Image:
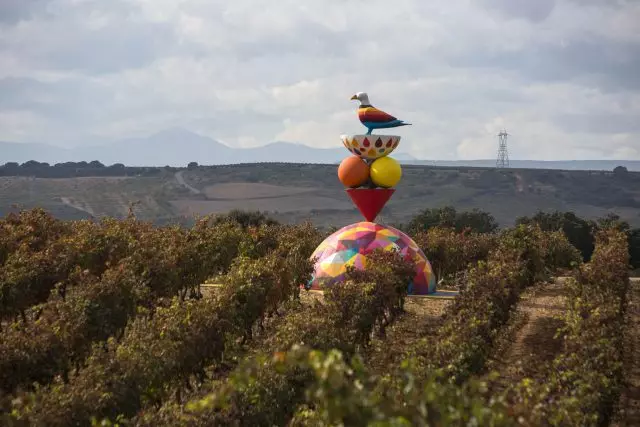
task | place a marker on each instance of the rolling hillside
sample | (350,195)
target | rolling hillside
(174,147)
(293,192)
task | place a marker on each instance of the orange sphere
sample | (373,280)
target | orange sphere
(353,172)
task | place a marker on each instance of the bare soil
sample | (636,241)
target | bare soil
(77,205)
(247,190)
(529,341)
(420,321)
(299,203)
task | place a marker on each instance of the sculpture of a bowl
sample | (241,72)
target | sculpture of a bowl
(370,147)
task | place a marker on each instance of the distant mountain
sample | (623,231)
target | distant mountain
(291,153)
(18,152)
(178,147)
(175,147)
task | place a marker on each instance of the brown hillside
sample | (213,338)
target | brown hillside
(293,192)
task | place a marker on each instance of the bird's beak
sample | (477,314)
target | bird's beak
(353,97)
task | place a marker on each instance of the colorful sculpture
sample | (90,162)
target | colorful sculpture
(372,118)
(369,175)
(350,245)
(385,172)
(353,172)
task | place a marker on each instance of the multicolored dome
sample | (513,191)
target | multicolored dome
(350,246)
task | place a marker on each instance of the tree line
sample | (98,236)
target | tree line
(579,231)
(36,169)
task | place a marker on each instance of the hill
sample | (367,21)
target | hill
(173,147)
(178,147)
(594,165)
(294,192)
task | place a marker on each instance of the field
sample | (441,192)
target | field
(239,191)
(113,323)
(293,193)
(222,198)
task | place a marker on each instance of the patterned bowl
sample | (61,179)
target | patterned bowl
(370,147)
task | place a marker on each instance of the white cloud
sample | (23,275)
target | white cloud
(534,11)
(558,74)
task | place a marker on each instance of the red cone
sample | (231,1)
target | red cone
(370,201)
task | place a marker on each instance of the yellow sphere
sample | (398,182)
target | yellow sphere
(385,172)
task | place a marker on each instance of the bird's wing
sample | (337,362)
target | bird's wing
(373,115)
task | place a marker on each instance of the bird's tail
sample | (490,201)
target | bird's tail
(405,124)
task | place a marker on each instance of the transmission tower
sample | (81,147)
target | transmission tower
(503,153)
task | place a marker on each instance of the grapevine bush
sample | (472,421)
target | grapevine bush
(260,392)
(582,385)
(163,351)
(485,304)
(451,252)
(106,322)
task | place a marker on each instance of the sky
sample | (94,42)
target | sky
(562,76)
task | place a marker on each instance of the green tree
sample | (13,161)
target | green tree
(246,218)
(620,171)
(579,231)
(613,221)
(447,217)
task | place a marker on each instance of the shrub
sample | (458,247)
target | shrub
(471,323)
(65,330)
(159,351)
(450,252)
(246,219)
(344,393)
(578,231)
(582,385)
(260,392)
(447,217)
(473,320)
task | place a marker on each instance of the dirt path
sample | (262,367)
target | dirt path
(530,341)
(519,185)
(181,181)
(629,414)
(84,208)
(421,320)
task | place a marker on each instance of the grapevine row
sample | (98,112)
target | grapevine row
(260,393)
(111,268)
(491,291)
(100,272)
(110,315)
(165,350)
(582,385)
(365,303)
(340,390)
(40,254)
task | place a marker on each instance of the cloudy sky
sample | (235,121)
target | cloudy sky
(563,76)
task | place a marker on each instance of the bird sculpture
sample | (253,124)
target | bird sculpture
(372,118)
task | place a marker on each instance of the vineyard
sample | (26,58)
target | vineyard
(109,323)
